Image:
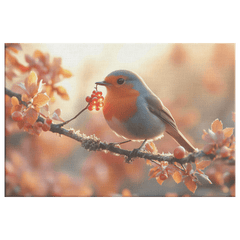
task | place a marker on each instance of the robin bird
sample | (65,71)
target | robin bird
(134,112)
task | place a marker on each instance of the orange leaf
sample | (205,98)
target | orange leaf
(31,79)
(199,171)
(153,172)
(217,125)
(25,98)
(159,180)
(56,115)
(208,148)
(46,107)
(178,165)
(220,137)
(225,151)
(62,92)
(65,73)
(205,177)
(38,54)
(228,132)
(58,111)
(40,86)
(177,177)
(16,108)
(23,68)
(148,162)
(190,184)
(13,49)
(31,83)
(151,147)
(11,59)
(203,164)
(37,108)
(14,101)
(204,134)
(41,99)
(207,137)
(31,115)
(13,46)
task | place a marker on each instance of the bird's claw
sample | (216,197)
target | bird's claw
(132,155)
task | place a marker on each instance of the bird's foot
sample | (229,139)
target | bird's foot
(133,154)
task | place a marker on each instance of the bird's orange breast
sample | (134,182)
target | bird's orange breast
(120,103)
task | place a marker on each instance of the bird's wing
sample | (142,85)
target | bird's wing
(156,106)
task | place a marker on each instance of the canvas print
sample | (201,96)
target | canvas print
(120,120)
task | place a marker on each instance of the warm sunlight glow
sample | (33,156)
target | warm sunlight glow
(73,54)
(131,53)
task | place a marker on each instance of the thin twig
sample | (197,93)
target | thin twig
(17,95)
(68,121)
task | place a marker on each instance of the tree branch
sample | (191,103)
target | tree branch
(92,143)
(17,95)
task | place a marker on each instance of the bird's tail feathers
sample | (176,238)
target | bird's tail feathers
(179,137)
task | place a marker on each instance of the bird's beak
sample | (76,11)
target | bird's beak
(103,83)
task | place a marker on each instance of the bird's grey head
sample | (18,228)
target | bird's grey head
(131,78)
(124,78)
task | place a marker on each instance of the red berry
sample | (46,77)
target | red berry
(90,108)
(93,92)
(97,108)
(48,121)
(93,95)
(45,127)
(179,152)
(100,104)
(94,100)
(88,99)
(99,94)
(101,98)
(17,116)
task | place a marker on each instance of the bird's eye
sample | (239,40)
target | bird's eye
(120,81)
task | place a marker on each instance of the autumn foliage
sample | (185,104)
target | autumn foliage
(31,155)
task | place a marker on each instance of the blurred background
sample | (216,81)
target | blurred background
(196,82)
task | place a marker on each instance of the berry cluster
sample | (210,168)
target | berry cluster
(32,128)
(95,101)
